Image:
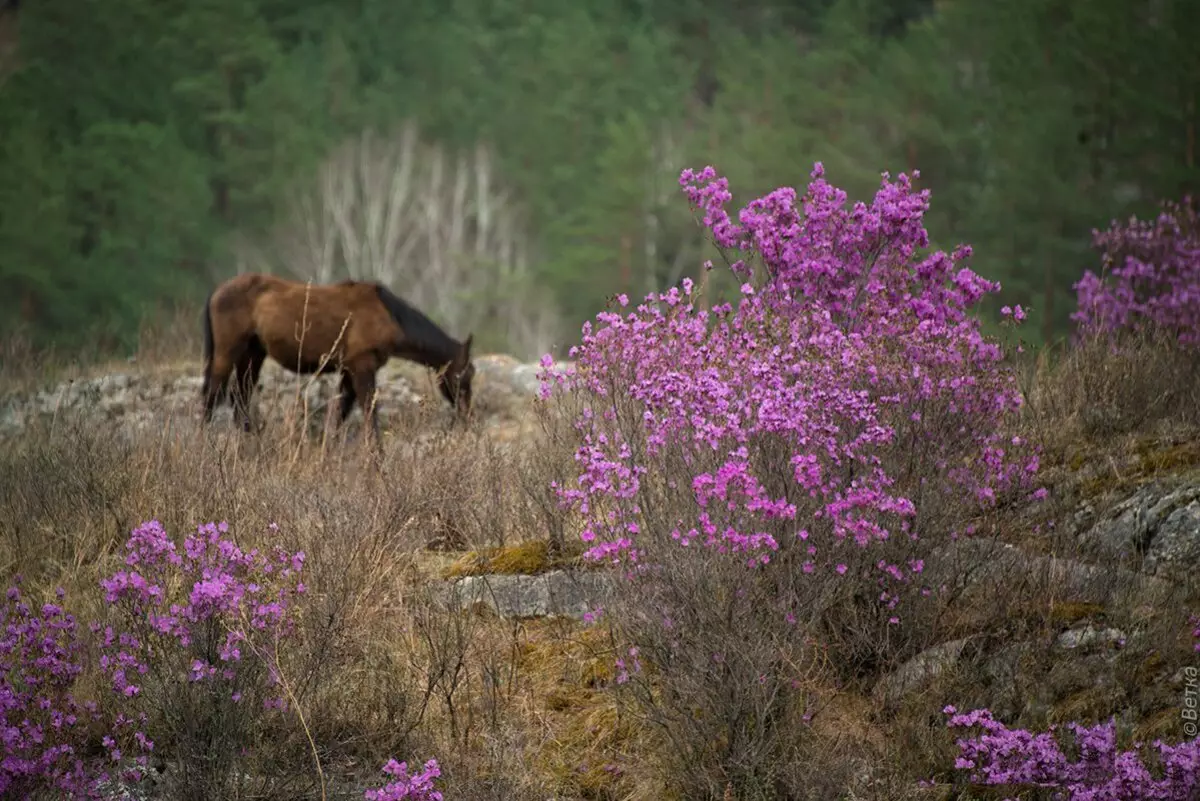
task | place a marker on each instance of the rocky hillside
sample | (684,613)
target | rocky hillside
(143,399)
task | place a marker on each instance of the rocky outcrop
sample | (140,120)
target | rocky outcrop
(1139,556)
(980,566)
(140,400)
(1156,531)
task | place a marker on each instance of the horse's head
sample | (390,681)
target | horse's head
(455,380)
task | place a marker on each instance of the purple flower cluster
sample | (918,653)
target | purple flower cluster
(417,787)
(210,613)
(1153,268)
(39,662)
(246,593)
(1003,756)
(845,348)
(191,614)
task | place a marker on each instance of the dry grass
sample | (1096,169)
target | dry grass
(533,709)
(168,335)
(1097,390)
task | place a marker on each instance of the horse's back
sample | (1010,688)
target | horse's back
(242,290)
(298,322)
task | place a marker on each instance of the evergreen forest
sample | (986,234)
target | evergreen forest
(510,164)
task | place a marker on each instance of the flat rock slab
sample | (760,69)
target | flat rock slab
(568,593)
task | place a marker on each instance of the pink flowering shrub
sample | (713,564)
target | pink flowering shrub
(405,787)
(1100,772)
(824,435)
(1153,277)
(195,638)
(846,397)
(190,649)
(40,659)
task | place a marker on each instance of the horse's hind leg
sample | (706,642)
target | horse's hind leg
(248,371)
(215,378)
(347,397)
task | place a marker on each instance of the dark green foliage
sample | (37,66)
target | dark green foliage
(142,140)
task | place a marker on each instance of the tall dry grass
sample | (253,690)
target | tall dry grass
(382,667)
(517,709)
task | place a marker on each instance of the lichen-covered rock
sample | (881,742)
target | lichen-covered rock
(1174,551)
(920,670)
(558,592)
(1156,530)
(1090,635)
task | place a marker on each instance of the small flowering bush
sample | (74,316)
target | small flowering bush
(1003,756)
(40,659)
(197,634)
(1153,277)
(414,787)
(190,651)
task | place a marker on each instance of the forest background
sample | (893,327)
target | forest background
(510,164)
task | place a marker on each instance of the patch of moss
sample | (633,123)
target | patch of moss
(1186,454)
(525,558)
(1150,458)
(1068,612)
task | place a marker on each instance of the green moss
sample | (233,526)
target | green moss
(525,558)
(1172,458)
(1069,612)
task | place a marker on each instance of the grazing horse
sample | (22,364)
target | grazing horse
(351,327)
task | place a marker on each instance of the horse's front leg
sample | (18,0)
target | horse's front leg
(347,398)
(364,389)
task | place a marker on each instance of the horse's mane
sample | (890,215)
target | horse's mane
(418,329)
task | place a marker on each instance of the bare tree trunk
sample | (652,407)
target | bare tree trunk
(386,208)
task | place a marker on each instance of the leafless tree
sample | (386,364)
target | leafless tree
(439,229)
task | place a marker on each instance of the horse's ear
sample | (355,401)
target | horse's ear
(466,348)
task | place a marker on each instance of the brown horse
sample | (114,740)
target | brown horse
(351,327)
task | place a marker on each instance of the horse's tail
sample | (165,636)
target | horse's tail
(208,340)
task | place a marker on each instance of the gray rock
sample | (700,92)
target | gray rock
(1156,530)
(556,593)
(1088,635)
(1174,551)
(920,670)
(525,378)
(983,565)
(137,402)
(1124,532)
